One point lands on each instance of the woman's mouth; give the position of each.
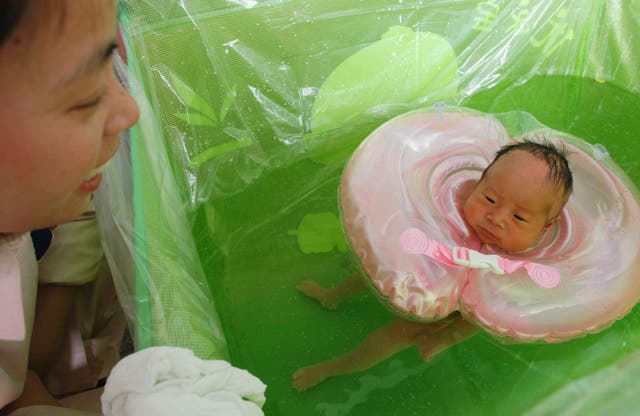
(93, 179)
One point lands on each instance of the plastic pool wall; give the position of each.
(234, 187)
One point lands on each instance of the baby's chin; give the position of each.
(485, 237)
(500, 245)
(513, 249)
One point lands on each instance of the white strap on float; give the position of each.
(414, 241)
(476, 260)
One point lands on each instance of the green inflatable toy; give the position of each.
(403, 70)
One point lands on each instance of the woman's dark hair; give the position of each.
(11, 12)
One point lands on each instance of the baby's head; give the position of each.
(520, 195)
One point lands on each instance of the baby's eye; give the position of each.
(490, 200)
(519, 218)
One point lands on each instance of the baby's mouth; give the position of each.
(485, 235)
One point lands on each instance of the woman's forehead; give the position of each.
(54, 38)
(52, 22)
(42, 69)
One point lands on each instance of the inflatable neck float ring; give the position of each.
(400, 203)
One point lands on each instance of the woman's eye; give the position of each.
(89, 104)
(490, 200)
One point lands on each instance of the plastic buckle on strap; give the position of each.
(476, 260)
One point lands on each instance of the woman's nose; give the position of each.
(124, 110)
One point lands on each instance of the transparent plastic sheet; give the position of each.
(141, 272)
(250, 110)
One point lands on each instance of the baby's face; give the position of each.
(514, 203)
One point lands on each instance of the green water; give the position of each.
(253, 265)
(597, 112)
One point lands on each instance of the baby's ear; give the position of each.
(552, 221)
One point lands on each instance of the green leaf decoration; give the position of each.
(195, 119)
(320, 233)
(219, 150)
(191, 98)
(226, 103)
(210, 215)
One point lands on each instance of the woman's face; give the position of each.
(61, 110)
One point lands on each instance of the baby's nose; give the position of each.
(496, 219)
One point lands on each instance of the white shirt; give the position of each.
(18, 290)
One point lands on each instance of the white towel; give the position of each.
(172, 381)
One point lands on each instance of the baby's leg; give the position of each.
(378, 346)
(432, 342)
(329, 298)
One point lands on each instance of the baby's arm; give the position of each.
(330, 298)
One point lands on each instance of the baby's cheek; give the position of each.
(530, 238)
(468, 211)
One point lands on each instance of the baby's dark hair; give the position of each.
(556, 158)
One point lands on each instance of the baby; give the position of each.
(518, 197)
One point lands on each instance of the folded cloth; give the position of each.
(172, 381)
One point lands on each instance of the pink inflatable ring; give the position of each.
(400, 203)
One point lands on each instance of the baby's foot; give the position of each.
(310, 376)
(317, 292)
(431, 345)
(425, 347)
